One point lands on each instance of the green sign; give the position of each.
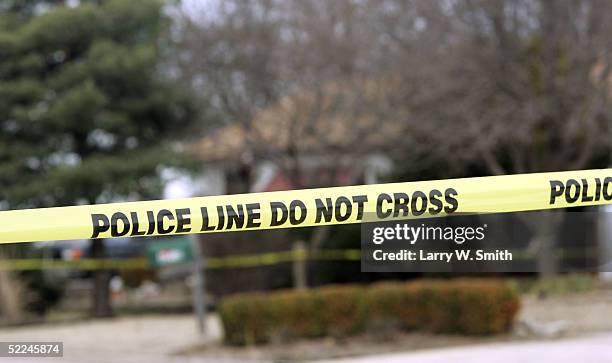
(169, 251)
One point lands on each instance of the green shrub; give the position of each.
(247, 319)
(473, 307)
(343, 308)
(395, 303)
(296, 314)
(462, 306)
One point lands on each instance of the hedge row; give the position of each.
(461, 306)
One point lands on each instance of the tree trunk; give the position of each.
(319, 235)
(11, 305)
(101, 304)
(546, 255)
(544, 226)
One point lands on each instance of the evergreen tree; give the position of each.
(87, 111)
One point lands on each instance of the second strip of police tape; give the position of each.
(219, 262)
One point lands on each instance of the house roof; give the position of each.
(340, 117)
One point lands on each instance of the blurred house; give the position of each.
(323, 137)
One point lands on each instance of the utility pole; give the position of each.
(300, 272)
(199, 291)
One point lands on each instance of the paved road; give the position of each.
(157, 339)
(591, 349)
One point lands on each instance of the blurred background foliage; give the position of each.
(98, 98)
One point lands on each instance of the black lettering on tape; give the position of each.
(607, 188)
(276, 219)
(234, 217)
(136, 225)
(585, 192)
(151, 219)
(570, 196)
(416, 209)
(324, 211)
(293, 207)
(449, 197)
(125, 222)
(557, 188)
(161, 215)
(183, 220)
(400, 203)
(100, 224)
(436, 203)
(382, 198)
(360, 200)
(253, 215)
(348, 209)
(205, 220)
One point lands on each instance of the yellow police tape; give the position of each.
(311, 207)
(217, 262)
(25, 264)
(233, 261)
